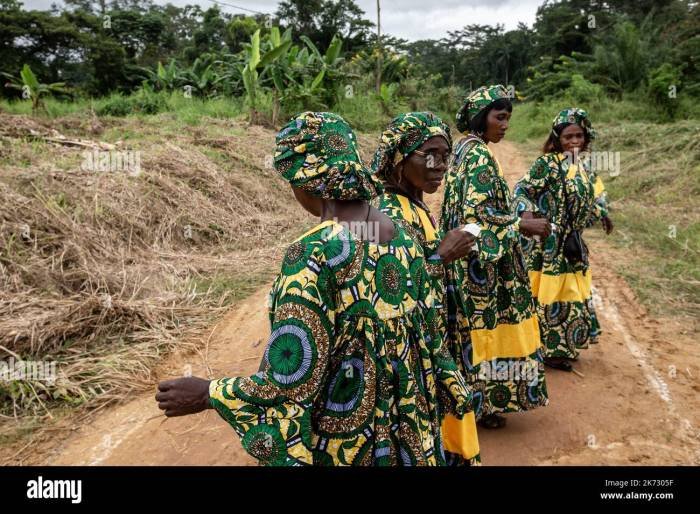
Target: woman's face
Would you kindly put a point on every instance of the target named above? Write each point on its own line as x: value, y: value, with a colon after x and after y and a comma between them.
x: 425, y: 173
x: 572, y: 138
x: 311, y: 203
x: 497, y: 125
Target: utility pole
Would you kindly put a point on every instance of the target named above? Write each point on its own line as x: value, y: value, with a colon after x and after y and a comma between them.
x: 379, y: 47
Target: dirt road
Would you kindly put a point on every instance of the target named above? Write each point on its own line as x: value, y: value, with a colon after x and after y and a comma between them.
x: 634, y: 402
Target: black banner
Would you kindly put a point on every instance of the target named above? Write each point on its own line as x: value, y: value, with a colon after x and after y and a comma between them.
x: 234, y: 487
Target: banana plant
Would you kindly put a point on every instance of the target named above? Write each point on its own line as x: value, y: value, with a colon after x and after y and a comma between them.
x: 255, y: 59
x: 307, y: 78
x: 329, y: 62
x: 203, y: 76
x: 387, y: 97
x: 32, y: 89
x: 163, y: 78
x: 230, y: 70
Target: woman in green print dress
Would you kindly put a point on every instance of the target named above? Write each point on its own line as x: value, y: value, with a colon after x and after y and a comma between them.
x: 411, y: 160
x: 560, y: 188
x: 490, y: 309
x: 351, y: 374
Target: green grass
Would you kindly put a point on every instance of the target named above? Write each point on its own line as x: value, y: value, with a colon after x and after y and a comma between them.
x: 191, y: 110
x: 187, y: 110
x: 532, y: 120
x: 655, y: 197
x: 56, y: 108
x: 364, y: 111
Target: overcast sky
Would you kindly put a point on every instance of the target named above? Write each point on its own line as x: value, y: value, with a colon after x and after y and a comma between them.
x: 409, y: 19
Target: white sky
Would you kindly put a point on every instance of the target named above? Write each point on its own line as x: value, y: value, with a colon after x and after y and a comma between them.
x: 409, y: 19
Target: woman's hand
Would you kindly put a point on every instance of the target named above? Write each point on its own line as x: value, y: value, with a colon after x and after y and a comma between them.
x: 456, y: 244
x: 530, y: 226
x: 607, y: 224
x: 182, y: 396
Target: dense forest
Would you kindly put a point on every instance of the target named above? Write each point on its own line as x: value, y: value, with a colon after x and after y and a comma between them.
x: 315, y: 53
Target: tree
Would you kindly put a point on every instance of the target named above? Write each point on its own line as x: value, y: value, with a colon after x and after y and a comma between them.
x: 209, y: 37
x: 238, y: 32
x: 321, y: 20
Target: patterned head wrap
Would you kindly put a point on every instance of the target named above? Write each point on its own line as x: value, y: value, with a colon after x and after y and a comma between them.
x: 406, y: 133
x: 573, y: 115
x: 477, y: 101
x: 317, y: 151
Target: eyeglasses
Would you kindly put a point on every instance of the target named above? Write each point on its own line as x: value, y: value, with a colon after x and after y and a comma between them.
x: 433, y: 159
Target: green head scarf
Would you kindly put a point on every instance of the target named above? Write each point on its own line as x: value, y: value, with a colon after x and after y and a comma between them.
x: 477, y: 101
x: 406, y: 133
x: 573, y: 115
x: 317, y: 152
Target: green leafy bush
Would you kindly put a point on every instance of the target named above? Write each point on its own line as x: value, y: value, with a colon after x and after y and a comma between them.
x: 145, y: 101
x: 663, y: 84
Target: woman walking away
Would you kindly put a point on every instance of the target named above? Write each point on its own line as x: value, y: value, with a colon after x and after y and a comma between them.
x: 411, y: 160
x: 490, y: 308
x: 350, y: 374
x: 560, y: 189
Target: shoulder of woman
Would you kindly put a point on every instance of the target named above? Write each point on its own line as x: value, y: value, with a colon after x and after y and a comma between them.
x: 386, y: 201
x: 307, y: 247
x: 546, y: 162
x: 322, y: 240
x: 550, y: 158
x: 470, y: 144
x: 473, y: 151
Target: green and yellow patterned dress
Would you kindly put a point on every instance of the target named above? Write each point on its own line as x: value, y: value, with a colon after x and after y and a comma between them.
x: 490, y: 308
x: 562, y: 289
x: 460, y: 437
x: 352, y: 372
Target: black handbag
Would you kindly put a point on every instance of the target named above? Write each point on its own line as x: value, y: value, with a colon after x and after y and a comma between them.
x: 575, y: 249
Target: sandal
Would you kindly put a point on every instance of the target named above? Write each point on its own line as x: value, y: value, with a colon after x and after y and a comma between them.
x: 493, y: 421
x: 558, y: 364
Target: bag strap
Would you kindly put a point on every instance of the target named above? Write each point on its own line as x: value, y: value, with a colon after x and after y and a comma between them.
x: 566, y: 214
x: 562, y: 179
x: 469, y: 139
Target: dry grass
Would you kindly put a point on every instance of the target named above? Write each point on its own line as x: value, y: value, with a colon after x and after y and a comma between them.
x: 109, y: 279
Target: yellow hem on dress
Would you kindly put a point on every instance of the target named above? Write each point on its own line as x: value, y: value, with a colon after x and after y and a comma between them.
x: 506, y: 341
x: 567, y: 287
x: 459, y: 435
